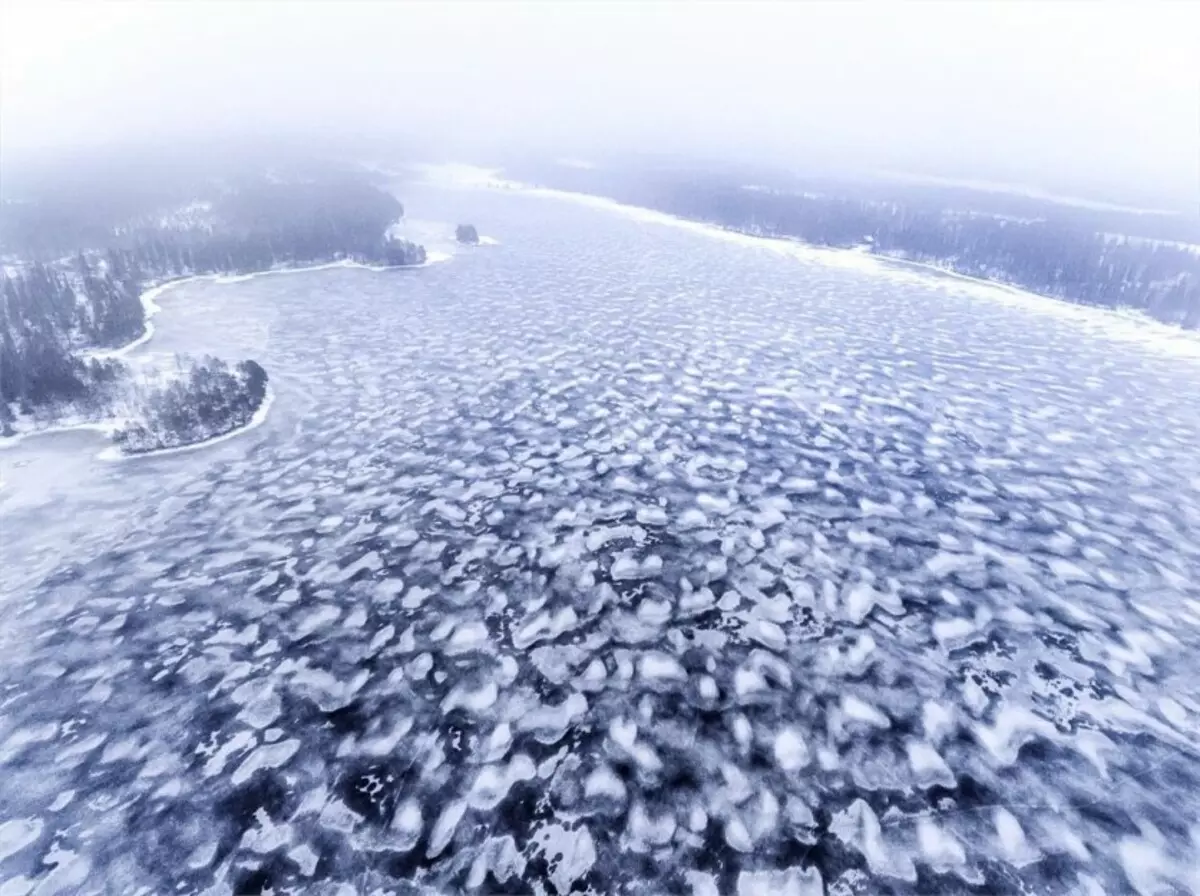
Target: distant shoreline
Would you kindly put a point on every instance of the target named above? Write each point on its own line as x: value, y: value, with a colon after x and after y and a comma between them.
x: 1126, y: 324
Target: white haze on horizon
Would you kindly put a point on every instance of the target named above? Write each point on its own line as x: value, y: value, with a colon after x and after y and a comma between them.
x: 1097, y: 99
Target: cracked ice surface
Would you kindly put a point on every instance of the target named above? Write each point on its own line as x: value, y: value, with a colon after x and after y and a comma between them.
x: 619, y: 559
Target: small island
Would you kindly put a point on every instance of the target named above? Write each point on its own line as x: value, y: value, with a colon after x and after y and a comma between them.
x: 402, y: 253
x: 207, y: 400
x: 467, y: 234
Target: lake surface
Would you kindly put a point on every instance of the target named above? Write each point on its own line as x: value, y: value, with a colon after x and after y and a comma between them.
x: 616, y: 557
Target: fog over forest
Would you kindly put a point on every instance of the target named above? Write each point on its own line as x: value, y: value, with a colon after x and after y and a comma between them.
x: 1101, y: 100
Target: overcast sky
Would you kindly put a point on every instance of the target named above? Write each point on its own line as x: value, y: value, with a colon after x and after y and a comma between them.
x: 1102, y: 98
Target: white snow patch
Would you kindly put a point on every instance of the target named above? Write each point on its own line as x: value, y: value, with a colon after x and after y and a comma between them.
x: 782, y: 882
x: 858, y: 827
x: 861, y: 711
x: 444, y: 827
x: 1120, y: 326
x: 791, y: 752
x: 18, y: 833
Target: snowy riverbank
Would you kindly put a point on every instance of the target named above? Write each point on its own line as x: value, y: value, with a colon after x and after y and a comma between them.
x: 28, y: 427
x: 1124, y: 325
x: 150, y: 306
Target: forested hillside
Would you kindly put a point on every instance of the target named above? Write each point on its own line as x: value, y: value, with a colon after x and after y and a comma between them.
x: 61, y: 301
x: 1042, y: 256
x: 1096, y: 256
x: 48, y: 316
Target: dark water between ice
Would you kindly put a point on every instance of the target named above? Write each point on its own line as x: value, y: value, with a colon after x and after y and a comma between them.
x: 616, y: 558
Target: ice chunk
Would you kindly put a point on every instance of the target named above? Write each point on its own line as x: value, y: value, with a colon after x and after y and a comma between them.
x: 946, y: 563
x: 305, y: 858
x: 658, y: 665
x: 325, y: 690
x: 573, y: 849
x: 954, y: 630
x: 1015, y: 726
x: 861, y: 711
x: 444, y: 827
x: 747, y: 681
x: 407, y: 824
x: 652, y: 516
x: 545, y: 626
x: 18, y: 833
x: 1068, y: 571
x: 737, y: 836
x: 858, y: 827
x: 624, y: 568
x: 1013, y: 844
x: 798, y: 486
x: 743, y: 732
x: 261, y: 705
x: 556, y: 661
x: 766, y: 633
x: 928, y: 767
x: 975, y: 510
x: 1143, y: 862
x: 794, y: 881
x: 1172, y: 711
x: 268, y: 756
x: 500, y: 856
x: 242, y: 740
x: 603, y: 782
x: 623, y: 732
x: 473, y: 699
x: 382, y: 637
x: 941, y: 850
x: 467, y: 636
x: 493, y: 783
x: 791, y: 751
x: 862, y: 598
x: 644, y: 830
x: 549, y: 722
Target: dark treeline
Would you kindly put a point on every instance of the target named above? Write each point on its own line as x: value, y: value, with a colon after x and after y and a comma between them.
x: 1080, y: 255
x: 267, y: 225
x: 1038, y: 255
x: 209, y: 400
x: 53, y: 306
x: 46, y: 315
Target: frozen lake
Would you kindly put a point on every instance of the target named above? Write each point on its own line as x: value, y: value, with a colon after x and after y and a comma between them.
x: 617, y: 557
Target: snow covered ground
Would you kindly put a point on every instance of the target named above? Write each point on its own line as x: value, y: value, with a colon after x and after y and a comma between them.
x: 625, y: 557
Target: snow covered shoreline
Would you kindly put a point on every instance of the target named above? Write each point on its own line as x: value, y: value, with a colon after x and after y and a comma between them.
x: 106, y: 427
x: 1123, y: 325
x: 150, y: 307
